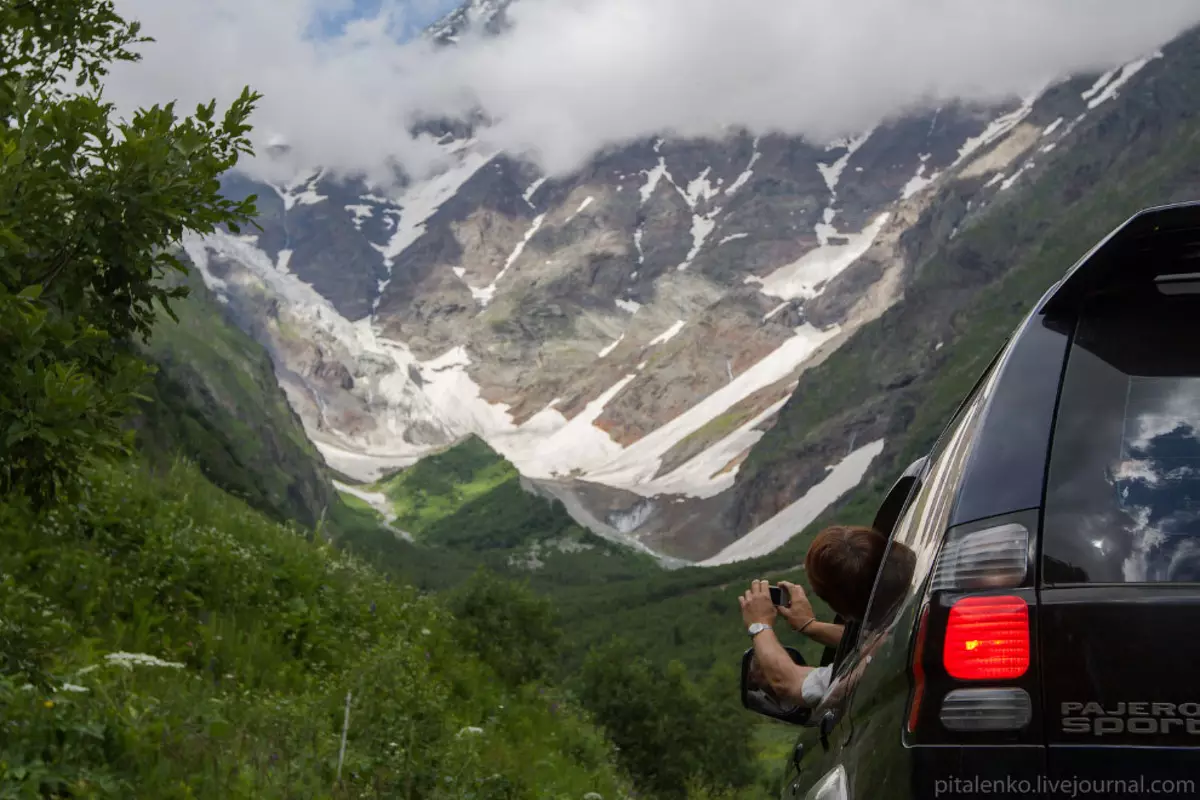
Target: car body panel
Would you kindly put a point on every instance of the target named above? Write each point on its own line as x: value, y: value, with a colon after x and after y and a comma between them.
x: 1007, y: 468
x: 1127, y: 644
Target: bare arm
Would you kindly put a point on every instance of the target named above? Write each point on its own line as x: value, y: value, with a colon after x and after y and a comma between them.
x: 826, y: 633
x: 784, y: 676
x: 801, y: 617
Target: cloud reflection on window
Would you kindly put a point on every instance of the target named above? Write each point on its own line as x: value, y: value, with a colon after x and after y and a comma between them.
x: 1157, y: 482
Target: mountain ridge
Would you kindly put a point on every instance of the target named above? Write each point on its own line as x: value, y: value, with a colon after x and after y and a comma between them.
x: 630, y: 333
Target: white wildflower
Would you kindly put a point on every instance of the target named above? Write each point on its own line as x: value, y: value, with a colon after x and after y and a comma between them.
x: 70, y: 687
x: 130, y: 660
x: 469, y: 730
x: 593, y: 796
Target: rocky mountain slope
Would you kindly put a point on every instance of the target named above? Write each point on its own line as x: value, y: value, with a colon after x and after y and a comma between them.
x: 1129, y: 147
x: 628, y: 334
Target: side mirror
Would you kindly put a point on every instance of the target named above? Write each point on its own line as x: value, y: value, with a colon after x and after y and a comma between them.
x: 758, y: 696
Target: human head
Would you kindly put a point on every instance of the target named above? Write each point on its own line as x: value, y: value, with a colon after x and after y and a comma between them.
x: 842, y: 563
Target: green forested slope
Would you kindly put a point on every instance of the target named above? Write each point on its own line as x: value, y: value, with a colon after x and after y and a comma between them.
x: 466, y: 507
x: 215, y: 400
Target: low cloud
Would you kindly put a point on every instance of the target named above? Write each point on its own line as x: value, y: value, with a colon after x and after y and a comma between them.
x: 571, y: 77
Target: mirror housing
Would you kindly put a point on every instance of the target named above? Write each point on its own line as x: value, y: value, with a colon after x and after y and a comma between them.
x: 759, y: 698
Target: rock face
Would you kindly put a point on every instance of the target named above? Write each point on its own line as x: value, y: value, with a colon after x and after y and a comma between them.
x: 1090, y: 153
x: 630, y: 331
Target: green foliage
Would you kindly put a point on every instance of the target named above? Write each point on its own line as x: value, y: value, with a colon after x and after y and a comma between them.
x: 669, y: 731
x: 254, y: 635
x: 88, y: 205
x: 512, y: 629
x: 216, y: 401
x: 437, y: 486
x: 501, y: 519
x: 466, y: 507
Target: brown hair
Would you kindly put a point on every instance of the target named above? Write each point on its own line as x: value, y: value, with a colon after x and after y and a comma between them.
x: 842, y: 563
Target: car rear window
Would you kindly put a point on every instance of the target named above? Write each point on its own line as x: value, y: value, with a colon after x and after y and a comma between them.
x: 1123, y: 496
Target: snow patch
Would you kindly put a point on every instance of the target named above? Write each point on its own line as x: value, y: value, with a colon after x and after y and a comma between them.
x: 917, y: 182
x: 701, y: 189
x: 1008, y: 182
x: 702, y: 227
x: 832, y: 173
x: 532, y: 190
x: 1100, y: 83
x: 582, y: 207
x: 733, y: 237
x: 1053, y: 126
x: 778, y: 530
x: 637, y: 242
x: 1110, y: 88
x: 705, y: 475
x: 420, y: 201
x: 612, y: 346
x: 801, y: 278
x: 285, y: 258
x: 632, y: 306
x: 549, y: 446
x: 667, y: 335
x: 653, y: 176
x: 485, y: 295
x: 634, y: 467
x: 747, y: 173
x: 775, y: 311
x: 360, y: 214
x: 302, y: 193
x: 998, y: 128
x: 999, y: 176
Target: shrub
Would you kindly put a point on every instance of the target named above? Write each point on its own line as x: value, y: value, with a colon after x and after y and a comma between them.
x: 88, y: 207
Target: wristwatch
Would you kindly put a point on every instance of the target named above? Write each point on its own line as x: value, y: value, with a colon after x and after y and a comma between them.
x: 757, y: 628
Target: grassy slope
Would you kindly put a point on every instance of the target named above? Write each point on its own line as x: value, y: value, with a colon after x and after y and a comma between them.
x: 466, y: 507
x: 216, y: 401
x: 438, y: 486
x: 270, y: 631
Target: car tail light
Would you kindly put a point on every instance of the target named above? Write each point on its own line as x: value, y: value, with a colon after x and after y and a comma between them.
x: 987, y: 638
x: 1000, y: 709
x: 918, y: 671
x: 992, y: 558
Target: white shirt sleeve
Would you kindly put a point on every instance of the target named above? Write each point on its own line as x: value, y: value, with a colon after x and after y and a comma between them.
x: 816, y: 684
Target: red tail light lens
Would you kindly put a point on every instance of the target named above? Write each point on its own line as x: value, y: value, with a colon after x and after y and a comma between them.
x: 987, y: 638
x: 918, y: 671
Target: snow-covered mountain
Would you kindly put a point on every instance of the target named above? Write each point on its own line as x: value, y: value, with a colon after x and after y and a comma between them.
x: 624, y: 335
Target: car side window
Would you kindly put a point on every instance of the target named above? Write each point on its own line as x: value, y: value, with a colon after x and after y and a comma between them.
x: 918, y: 533
x: 899, y: 498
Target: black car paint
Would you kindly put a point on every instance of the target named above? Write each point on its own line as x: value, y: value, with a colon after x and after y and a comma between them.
x: 861, y: 727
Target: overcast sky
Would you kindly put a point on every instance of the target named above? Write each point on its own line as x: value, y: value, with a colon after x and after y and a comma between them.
x: 342, y: 79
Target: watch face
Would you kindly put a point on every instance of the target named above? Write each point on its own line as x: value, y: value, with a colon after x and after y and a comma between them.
x: 758, y: 628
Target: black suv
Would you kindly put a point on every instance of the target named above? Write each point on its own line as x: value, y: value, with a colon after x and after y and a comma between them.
x: 1043, y: 635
